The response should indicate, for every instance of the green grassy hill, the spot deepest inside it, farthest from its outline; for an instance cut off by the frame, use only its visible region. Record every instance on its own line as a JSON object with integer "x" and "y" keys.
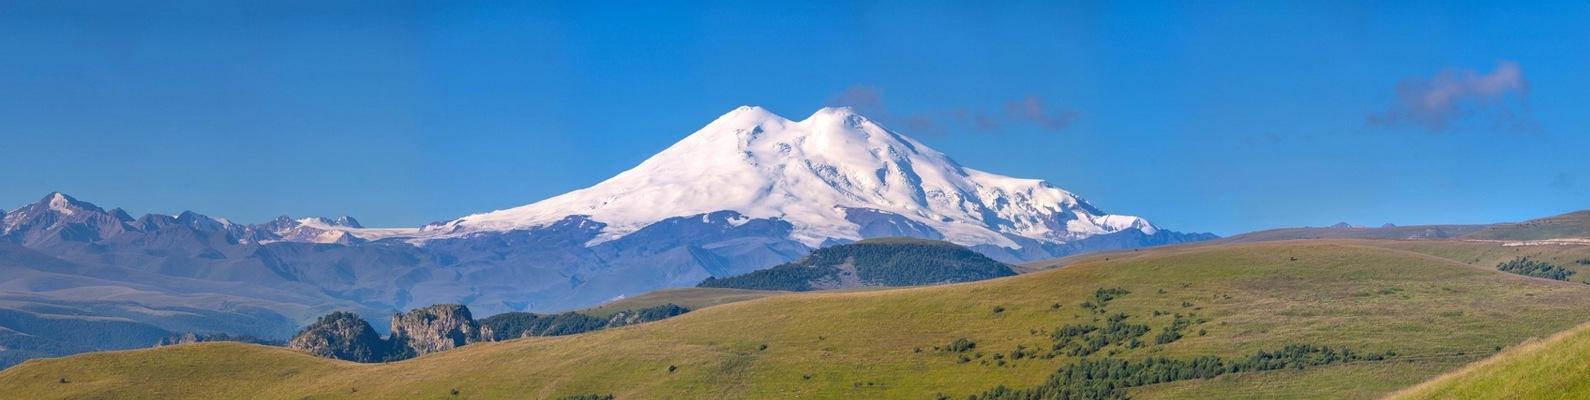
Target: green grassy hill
{"x": 1553, "y": 368}
{"x": 1428, "y": 304}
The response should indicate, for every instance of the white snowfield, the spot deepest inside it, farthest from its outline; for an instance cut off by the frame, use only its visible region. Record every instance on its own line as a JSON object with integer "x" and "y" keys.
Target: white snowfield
{"x": 808, "y": 173}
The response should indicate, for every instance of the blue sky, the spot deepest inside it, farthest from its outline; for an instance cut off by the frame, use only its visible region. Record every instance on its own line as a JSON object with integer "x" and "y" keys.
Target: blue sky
{"x": 1201, "y": 116}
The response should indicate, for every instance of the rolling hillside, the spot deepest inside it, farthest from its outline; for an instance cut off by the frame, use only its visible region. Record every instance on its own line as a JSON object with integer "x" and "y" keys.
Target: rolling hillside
{"x": 1336, "y": 232}
{"x": 1552, "y": 368}
{"x": 1570, "y": 225}
{"x": 895, "y": 261}
{"x": 692, "y": 298}
{"x": 1405, "y": 314}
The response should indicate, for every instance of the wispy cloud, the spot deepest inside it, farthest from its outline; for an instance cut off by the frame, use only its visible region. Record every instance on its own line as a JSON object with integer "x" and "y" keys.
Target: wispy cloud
{"x": 985, "y": 122}
{"x": 1031, "y": 108}
{"x": 1437, "y": 102}
{"x": 923, "y": 124}
{"x": 869, "y": 101}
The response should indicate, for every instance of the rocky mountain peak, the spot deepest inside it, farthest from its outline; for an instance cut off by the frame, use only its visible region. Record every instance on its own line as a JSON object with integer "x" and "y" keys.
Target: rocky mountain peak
{"x": 60, "y": 217}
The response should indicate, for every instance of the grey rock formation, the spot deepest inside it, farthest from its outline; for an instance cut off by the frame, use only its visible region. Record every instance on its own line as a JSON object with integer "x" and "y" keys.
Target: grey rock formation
{"x": 437, "y": 328}
{"x": 345, "y": 336}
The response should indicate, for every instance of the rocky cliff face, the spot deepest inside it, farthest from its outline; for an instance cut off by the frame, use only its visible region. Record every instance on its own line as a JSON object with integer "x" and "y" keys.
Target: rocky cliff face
{"x": 345, "y": 336}
{"x": 437, "y": 328}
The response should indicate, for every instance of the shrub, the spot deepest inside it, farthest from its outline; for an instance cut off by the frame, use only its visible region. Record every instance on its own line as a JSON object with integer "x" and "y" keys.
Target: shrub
{"x": 960, "y": 345}
{"x": 587, "y": 396}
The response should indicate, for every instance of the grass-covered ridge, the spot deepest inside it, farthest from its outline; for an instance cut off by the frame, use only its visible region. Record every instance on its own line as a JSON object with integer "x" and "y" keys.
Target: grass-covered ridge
{"x": 691, "y": 298}
{"x": 1234, "y": 301}
{"x": 872, "y": 262}
{"x": 1552, "y": 368}
{"x": 1570, "y": 225}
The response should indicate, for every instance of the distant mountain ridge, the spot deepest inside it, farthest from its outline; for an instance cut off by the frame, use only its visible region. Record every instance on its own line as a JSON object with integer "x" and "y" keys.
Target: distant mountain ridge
{"x": 1571, "y": 226}
{"x": 59, "y": 217}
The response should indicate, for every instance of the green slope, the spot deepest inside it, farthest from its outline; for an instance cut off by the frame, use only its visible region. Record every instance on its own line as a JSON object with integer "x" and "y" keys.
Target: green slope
{"x": 1370, "y": 296}
{"x": 691, "y": 298}
{"x": 1553, "y": 368}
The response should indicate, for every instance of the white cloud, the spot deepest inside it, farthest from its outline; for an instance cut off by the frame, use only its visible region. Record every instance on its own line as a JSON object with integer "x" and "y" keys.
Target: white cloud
{"x": 1436, "y": 103}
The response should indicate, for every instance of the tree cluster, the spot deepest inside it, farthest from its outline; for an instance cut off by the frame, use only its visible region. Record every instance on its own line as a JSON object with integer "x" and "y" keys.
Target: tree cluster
{"x": 521, "y": 324}
{"x": 1535, "y": 268}
{"x": 887, "y": 262}
{"x": 1108, "y": 378}
{"x": 587, "y": 396}
{"x": 1173, "y": 332}
{"x": 1081, "y": 340}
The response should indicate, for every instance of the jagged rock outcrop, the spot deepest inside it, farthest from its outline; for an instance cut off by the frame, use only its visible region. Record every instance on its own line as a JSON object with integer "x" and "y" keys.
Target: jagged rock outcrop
{"x": 345, "y": 336}
{"x": 437, "y": 328}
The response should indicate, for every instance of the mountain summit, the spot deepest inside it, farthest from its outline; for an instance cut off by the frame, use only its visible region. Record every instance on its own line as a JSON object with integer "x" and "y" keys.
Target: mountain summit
{"x": 835, "y": 176}
{"x": 749, "y": 191}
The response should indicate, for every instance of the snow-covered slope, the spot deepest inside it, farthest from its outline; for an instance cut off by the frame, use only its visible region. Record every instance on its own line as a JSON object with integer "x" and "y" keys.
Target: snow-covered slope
{"x": 820, "y": 174}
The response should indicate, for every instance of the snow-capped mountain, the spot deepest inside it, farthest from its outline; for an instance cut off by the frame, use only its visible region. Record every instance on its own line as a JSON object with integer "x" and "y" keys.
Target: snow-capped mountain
{"x": 58, "y": 216}
{"x": 749, "y": 191}
{"x": 835, "y": 175}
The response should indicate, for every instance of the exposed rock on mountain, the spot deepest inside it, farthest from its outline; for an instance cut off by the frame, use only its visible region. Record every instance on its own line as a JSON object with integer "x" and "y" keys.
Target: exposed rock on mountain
{"x": 345, "y": 336}
{"x": 61, "y": 217}
{"x": 437, "y": 328}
